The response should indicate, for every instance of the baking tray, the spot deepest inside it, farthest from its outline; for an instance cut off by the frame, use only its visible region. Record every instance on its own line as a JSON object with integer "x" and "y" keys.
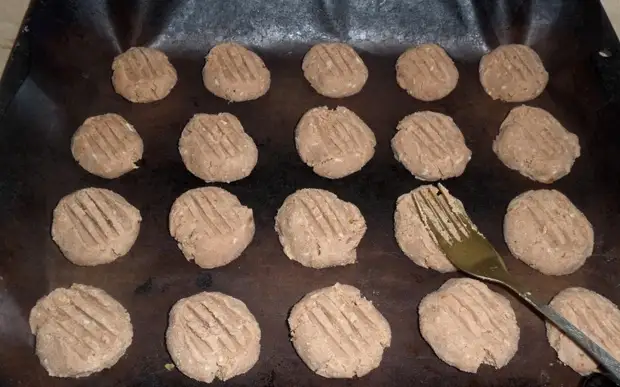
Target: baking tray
{"x": 60, "y": 74}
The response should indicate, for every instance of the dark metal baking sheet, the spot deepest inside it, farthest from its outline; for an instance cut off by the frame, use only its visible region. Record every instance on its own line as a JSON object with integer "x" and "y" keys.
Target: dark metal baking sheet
{"x": 60, "y": 75}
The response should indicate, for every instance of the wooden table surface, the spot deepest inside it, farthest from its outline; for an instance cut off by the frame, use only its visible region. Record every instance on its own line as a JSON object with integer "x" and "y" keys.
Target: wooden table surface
{"x": 12, "y": 12}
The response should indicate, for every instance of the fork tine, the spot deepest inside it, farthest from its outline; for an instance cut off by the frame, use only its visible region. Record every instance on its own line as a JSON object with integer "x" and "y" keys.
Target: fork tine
{"x": 452, "y": 213}
{"x": 467, "y": 223}
{"x": 429, "y": 198}
{"x": 427, "y": 220}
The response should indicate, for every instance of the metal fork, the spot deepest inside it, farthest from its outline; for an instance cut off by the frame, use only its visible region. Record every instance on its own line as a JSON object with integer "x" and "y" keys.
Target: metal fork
{"x": 472, "y": 253}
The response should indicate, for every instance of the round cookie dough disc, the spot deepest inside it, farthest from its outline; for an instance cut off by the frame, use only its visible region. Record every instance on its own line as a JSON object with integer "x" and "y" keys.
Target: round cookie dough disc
{"x": 334, "y": 70}
{"x": 107, "y": 146}
{"x": 596, "y": 316}
{"x": 93, "y": 226}
{"x": 335, "y": 143}
{"x": 143, "y": 74}
{"x": 426, "y": 72}
{"x": 212, "y": 335}
{"x": 79, "y": 331}
{"x": 215, "y": 148}
{"x": 211, "y": 226}
{"x": 545, "y": 230}
{"x": 319, "y": 230}
{"x": 467, "y": 325}
{"x": 234, "y": 73}
{"x": 430, "y": 146}
{"x": 532, "y": 142}
{"x": 513, "y": 73}
{"x": 412, "y": 234}
{"x": 338, "y": 333}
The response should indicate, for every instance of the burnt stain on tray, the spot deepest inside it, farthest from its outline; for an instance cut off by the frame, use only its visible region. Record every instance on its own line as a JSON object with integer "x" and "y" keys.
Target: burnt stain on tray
{"x": 61, "y": 75}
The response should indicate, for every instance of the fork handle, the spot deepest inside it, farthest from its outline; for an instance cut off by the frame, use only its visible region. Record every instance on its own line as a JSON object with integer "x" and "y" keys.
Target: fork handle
{"x": 600, "y": 355}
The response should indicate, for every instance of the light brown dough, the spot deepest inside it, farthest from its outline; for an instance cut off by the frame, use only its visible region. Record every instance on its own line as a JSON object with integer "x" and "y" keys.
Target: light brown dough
{"x": 211, "y": 226}
{"x": 79, "y": 331}
{"x": 107, "y": 146}
{"x": 596, "y": 316}
{"x": 319, "y": 230}
{"x": 334, "y": 70}
{"x": 545, "y": 230}
{"x": 532, "y": 142}
{"x": 513, "y": 73}
{"x": 426, "y": 72}
{"x": 338, "y": 333}
{"x": 430, "y": 146}
{"x": 414, "y": 237}
{"x": 468, "y": 325}
{"x": 212, "y": 335}
{"x": 93, "y": 226}
{"x": 334, "y": 142}
{"x": 214, "y": 147}
{"x": 234, "y": 73}
{"x": 143, "y": 74}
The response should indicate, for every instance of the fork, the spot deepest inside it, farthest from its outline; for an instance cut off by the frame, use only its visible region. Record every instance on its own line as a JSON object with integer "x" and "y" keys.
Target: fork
{"x": 472, "y": 253}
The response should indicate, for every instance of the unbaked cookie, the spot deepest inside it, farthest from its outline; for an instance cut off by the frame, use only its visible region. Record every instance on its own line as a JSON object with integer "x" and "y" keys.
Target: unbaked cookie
{"x": 79, "y": 331}
{"x": 234, "y": 73}
{"x": 212, "y": 335}
{"x": 143, "y": 74}
{"x": 545, "y": 230}
{"x": 334, "y": 70}
{"x": 468, "y": 325}
{"x": 107, "y": 146}
{"x": 426, "y": 72}
{"x": 532, "y": 142}
{"x": 412, "y": 234}
{"x": 338, "y": 333}
{"x": 215, "y": 148}
{"x": 319, "y": 230}
{"x": 596, "y": 316}
{"x": 430, "y": 146}
{"x": 211, "y": 226}
{"x": 93, "y": 226}
{"x": 513, "y": 73}
{"x": 334, "y": 142}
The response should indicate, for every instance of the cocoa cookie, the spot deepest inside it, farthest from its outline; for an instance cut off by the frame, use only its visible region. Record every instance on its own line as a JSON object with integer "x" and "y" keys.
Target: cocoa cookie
{"x": 544, "y": 229}
{"x": 334, "y": 70}
{"x": 596, "y": 316}
{"x": 107, "y": 146}
{"x": 79, "y": 331}
{"x": 234, "y": 73}
{"x": 211, "y": 226}
{"x": 338, "y": 333}
{"x": 318, "y": 230}
{"x": 412, "y": 233}
{"x": 532, "y": 142}
{"x": 513, "y": 73}
{"x": 426, "y": 72}
{"x": 430, "y": 146}
{"x": 468, "y": 325}
{"x": 215, "y": 148}
{"x": 212, "y": 336}
{"x": 93, "y": 226}
{"x": 143, "y": 74}
{"x": 334, "y": 142}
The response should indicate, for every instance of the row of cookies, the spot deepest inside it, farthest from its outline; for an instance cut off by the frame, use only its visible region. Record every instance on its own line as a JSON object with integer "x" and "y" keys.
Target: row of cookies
{"x": 512, "y": 73}
{"x": 336, "y": 143}
{"x": 335, "y": 330}
{"x": 82, "y": 330}
{"x": 93, "y": 226}
{"x": 542, "y": 228}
